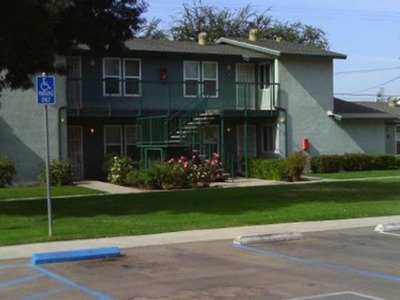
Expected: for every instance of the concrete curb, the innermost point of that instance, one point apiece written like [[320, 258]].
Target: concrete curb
[[269, 237], [387, 227], [73, 255]]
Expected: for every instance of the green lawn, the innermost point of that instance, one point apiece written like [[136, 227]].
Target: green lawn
[[360, 174], [40, 191], [112, 215]]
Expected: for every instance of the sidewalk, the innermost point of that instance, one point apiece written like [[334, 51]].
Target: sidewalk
[[22, 251]]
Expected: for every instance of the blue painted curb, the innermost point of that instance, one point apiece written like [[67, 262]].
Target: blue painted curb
[[63, 256]]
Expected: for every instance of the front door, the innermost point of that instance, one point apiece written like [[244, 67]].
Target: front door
[[75, 150], [245, 86], [264, 86], [251, 144]]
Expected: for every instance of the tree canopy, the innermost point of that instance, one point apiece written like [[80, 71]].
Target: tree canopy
[[197, 17], [33, 32]]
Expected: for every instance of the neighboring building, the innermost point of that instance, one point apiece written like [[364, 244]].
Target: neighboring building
[[165, 98]]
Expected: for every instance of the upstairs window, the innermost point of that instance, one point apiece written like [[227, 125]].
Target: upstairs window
[[210, 78], [191, 77], [112, 77], [114, 74], [132, 76]]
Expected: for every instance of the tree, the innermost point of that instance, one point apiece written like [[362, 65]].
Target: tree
[[33, 32], [152, 30], [197, 17]]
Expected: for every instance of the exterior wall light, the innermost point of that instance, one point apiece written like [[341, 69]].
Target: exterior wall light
[[92, 130]]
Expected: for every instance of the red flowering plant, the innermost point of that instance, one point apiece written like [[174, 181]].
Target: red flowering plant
[[180, 174], [207, 171]]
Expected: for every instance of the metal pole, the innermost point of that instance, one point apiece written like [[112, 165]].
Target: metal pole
[[47, 163], [246, 150]]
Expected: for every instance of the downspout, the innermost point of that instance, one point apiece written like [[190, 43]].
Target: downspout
[[59, 128]]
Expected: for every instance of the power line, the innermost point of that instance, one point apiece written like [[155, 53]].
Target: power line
[[378, 85], [366, 70]]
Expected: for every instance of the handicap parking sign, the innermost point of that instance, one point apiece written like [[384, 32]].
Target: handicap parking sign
[[46, 90]]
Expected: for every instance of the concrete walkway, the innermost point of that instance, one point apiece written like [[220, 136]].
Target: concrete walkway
[[21, 251], [108, 187]]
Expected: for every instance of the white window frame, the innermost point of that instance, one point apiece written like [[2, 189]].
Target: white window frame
[[105, 144], [111, 76], [264, 85], [198, 78], [262, 138], [210, 79], [79, 78], [126, 144], [132, 77]]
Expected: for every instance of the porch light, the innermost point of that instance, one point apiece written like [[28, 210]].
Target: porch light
[[228, 129], [92, 130]]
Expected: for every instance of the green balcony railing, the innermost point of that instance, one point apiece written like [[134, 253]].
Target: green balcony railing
[[113, 96]]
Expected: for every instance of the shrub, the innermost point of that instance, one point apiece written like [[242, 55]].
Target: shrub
[[386, 162], [273, 169], [7, 171], [61, 173], [326, 164], [357, 162], [295, 164], [118, 168]]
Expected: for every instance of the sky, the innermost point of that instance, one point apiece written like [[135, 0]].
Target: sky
[[368, 31]]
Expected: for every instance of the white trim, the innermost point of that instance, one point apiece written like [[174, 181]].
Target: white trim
[[112, 76], [80, 83], [218, 133], [81, 148], [210, 79], [105, 144], [236, 83], [125, 139], [249, 46], [132, 77], [184, 79], [274, 138]]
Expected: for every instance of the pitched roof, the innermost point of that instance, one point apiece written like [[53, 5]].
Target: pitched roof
[[280, 48], [167, 46], [365, 110]]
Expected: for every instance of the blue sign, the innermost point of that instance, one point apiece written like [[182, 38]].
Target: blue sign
[[46, 90]]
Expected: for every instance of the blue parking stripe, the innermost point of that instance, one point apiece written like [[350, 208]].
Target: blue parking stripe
[[20, 280], [73, 284], [322, 263], [46, 294]]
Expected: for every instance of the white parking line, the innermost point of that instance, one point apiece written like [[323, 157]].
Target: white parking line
[[344, 293]]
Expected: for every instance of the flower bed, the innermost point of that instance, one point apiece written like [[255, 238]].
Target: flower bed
[[175, 173]]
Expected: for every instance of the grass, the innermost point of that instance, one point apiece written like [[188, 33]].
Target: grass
[[359, 174], [40, 191], [24, 221]]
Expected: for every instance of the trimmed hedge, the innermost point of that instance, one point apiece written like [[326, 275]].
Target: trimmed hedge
[[354, 162], [273, 169], [284, 169]]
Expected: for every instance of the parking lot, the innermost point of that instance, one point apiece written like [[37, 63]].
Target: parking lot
[[343, 264]]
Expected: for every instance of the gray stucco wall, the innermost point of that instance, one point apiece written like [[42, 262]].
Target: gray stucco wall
[[22, 129], [307, 94]]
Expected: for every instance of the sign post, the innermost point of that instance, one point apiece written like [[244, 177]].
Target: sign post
[[46, 95]]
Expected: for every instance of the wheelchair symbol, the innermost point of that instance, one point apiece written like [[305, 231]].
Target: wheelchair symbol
[[44, 86]]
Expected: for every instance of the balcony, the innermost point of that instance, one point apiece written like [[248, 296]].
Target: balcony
[[115, 97]]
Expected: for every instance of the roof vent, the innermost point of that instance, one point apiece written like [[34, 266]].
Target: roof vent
[[253, 35], [394, 101], [202, 38], [278, 38]]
